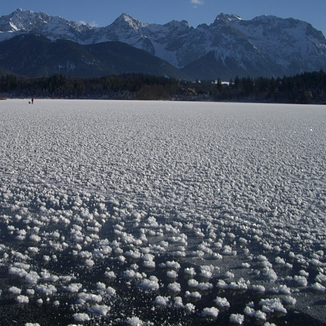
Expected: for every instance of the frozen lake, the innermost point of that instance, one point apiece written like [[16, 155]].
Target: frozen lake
[[172, 213]]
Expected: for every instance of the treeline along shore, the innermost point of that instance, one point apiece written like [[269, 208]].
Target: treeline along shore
[[305, 88]]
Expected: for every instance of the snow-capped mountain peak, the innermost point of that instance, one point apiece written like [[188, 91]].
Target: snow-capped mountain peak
[[22, 20], [126, 21], [225, 18], [27, 21]]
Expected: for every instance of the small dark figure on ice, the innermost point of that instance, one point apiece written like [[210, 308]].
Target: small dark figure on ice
[[31, 101]]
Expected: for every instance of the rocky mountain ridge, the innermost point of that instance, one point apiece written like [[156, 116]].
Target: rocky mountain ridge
[[230, 46]]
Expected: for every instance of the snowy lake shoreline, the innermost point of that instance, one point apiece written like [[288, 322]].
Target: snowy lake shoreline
[[146, 213]]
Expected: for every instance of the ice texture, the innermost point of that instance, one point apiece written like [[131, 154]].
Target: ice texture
[[118, 208]]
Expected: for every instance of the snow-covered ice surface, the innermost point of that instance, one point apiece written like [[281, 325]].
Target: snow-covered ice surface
[[146, 213]]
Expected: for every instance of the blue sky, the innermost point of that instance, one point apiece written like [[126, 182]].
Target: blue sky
[[104, 12]]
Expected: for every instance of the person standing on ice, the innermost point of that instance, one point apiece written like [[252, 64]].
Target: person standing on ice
[[32, 100]]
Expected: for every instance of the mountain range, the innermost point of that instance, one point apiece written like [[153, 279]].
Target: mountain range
[[36, 44]]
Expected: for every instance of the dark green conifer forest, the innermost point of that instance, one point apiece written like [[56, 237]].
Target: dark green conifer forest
[[309, 87]]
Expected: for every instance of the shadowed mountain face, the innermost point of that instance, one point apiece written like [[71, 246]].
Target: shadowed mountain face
[[34, 55]]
